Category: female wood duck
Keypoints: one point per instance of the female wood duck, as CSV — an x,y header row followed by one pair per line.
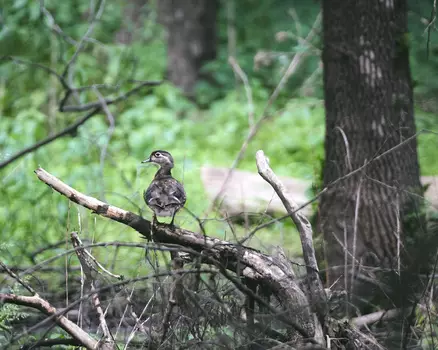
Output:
x,y
165,195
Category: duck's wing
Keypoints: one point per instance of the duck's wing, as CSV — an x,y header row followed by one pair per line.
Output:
x,y
152,195
177,194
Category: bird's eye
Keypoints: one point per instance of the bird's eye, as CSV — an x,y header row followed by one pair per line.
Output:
x,y
158,154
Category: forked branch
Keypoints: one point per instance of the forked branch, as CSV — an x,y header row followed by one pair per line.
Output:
x,y
241,260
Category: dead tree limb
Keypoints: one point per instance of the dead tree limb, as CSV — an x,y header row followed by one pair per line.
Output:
x,y
89,272
96,108
241,260
42,305
316,290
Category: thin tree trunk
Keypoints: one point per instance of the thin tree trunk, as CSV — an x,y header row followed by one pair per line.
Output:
x,y
191,31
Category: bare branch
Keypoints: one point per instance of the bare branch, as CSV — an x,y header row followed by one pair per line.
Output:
x,y
255,128
239,71
73,127
377,316
108,101
305,229
85,261
125,217
17,278
42,305
346,176
67,131
82,41
243,261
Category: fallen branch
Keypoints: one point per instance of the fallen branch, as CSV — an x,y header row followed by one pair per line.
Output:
x,y
377,316
241,260
96,206
42,305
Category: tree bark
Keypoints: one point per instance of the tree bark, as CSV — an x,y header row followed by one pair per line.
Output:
x,y
369,110
191,31
132,20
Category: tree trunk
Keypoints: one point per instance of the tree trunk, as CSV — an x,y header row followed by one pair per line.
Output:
x,y
191,30
369,110
132,20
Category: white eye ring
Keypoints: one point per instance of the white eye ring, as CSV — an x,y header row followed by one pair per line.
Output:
x,y
158,154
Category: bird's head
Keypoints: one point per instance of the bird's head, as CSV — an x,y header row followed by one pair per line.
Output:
x,y
162,158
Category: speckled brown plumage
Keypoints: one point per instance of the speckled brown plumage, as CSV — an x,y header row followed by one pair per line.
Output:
x,y
165,195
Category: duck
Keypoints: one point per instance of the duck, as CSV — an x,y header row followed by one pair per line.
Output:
x,y
165,194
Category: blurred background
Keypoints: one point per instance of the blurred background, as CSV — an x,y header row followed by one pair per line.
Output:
x,y
102,49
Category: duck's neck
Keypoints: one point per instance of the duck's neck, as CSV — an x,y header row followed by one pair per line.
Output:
x,y
164,171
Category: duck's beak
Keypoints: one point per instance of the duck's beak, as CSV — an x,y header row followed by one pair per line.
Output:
x,y
148,160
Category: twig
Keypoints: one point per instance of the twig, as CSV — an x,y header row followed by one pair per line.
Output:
x,y
67,131
70,130
315,286
368,319
83,39
57,315
236,68
342,178
88,268
133,220
255,128
51,342
49,70
54,26
42,305
98,103
224,255
432,22
293,64
18,279
110,132
174,295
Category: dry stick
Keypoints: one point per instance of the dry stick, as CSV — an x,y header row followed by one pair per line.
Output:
x,y
368,319
174,295
73,127
236,68
67,131
221,253
432,22
18,279
342,178
355,229
88,106
54,26
88,269
255,128
133,220
110,132
49,70
56,315
316,289
80,45
42,305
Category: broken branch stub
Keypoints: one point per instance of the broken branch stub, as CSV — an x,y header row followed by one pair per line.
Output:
x,y
316,290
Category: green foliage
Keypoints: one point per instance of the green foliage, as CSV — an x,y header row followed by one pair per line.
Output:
x,y
9,313
263,57
32,216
